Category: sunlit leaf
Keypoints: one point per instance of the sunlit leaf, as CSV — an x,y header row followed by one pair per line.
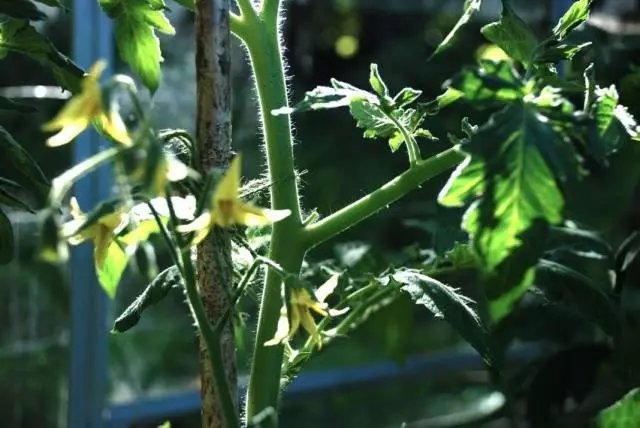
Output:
x,y
492,82
154,293
135,24
576,15
616,126
512,35
508,173
470,8
406,96
623,414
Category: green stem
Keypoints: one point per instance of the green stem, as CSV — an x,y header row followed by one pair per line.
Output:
x,y
212,341
409,140
286,249
364,207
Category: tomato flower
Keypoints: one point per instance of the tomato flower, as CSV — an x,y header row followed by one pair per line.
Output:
x,y
226,209
301,304
102,233
81,109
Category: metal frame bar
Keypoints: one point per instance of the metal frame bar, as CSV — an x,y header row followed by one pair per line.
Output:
x,y
183,402
92,40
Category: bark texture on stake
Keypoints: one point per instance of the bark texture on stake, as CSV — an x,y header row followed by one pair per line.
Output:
x,y
213,134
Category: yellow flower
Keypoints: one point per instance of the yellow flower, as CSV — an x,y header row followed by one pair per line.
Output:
x,y
301,305
226,208
81,109
102,233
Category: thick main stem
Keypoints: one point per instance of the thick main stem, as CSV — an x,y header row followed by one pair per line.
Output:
x,y
286,249
214,266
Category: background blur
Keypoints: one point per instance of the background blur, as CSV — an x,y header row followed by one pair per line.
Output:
x,y
338,38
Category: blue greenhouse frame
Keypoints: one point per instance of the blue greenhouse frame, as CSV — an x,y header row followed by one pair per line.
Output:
x,y
88,406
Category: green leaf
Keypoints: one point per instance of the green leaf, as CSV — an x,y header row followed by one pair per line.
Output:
x,y
376,82
20,36
340,94
21,9
576,15
509,181
616,126
12,153
135,25
10,105
562,283
512,35
470,8
6,239
553,51
154,293
449,96
110,272
406,96
445,302
371,118
492,82
623,414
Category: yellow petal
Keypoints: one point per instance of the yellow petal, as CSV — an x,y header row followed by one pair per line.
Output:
x,y
101,243
250,215
327,288
76,212
114,126
77,108
309,324
96,70
282,331
176,170
230,184
68,133
202,225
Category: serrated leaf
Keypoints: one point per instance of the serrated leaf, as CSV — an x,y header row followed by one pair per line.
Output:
x,y
512,35
370,117
616,126
376,82
6,239
552,51
135,25
10,105
340,94
20,36
576,15
492,82
111,270
13,154
445,302
470,8
578,291
406,96
624,413
21,9
449,96
509,181
154,293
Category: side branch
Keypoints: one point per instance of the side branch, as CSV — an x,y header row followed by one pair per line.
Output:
x,y
368,205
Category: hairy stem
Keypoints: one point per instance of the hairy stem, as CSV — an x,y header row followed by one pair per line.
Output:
x,y
266,60
364,207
